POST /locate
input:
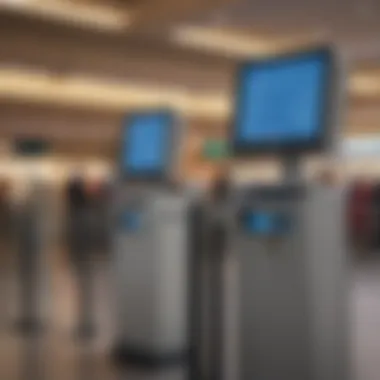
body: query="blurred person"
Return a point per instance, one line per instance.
(6, 251)
(33, 232)
(359, 209)
(79, 247)
(105, 215)
(375, 211)
(98, 196)
(5, 214)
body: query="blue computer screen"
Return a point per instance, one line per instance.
(280, 102)
(146, 143)
(261, 223)
(265, 223)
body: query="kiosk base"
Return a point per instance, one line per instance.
(124, 355)
(151, 276)
(292, 284)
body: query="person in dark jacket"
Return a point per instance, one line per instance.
(79, 247)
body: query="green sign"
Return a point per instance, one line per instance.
(31, 147)
(215, 150)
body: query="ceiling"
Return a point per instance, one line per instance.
(104, 57)
(352, 24)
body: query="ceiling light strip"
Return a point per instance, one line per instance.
(78, 91)
(86, 92)
(104, 17)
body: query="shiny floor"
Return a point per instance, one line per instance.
(57, 355)
(366, 320)
(54, 354)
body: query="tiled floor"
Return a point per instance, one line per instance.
(57, 356)
(366, 320)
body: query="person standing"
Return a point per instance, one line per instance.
(79, 247)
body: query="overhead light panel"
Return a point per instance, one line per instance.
(90, 15)
(218, 40)
(82, 92)
(240, 45)
(94, 93)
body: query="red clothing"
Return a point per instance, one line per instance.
(360, 205)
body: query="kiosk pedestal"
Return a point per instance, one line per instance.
(292, 283)
(151, 278)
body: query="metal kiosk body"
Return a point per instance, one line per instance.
(150, 257)
(287, 309)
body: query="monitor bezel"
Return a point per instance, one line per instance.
(327, 118)
(155, 177)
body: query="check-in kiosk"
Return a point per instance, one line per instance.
(150, 256)
(287, 315)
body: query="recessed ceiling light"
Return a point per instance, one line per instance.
(99, 16)
(240, 45)
(218, 40)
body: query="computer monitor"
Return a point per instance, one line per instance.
(147, 145)
(284, 104)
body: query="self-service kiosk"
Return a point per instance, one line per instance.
(287, 315)
(150, 258)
